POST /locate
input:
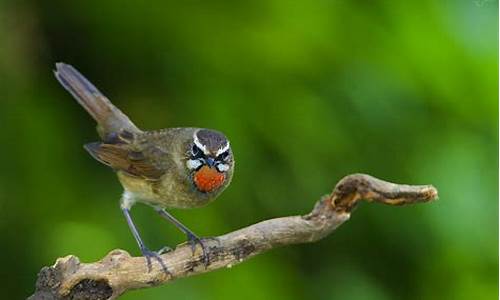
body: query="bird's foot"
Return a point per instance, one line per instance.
(164, 249)
(148, 254)
(193, 240)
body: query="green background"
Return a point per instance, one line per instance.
(307, 92)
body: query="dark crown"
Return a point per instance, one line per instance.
(211, 139)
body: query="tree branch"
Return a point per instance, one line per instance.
(118, 272)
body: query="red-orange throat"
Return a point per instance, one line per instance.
(207, 179)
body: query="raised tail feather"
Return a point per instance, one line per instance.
(109, 118)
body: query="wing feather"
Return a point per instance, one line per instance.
(122, 157)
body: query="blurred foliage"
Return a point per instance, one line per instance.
(307, 91)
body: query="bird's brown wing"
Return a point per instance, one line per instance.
(124, 157)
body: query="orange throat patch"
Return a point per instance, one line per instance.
(208, 179)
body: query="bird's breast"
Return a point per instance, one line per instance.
(170, 191)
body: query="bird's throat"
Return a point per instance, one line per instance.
(208, 179)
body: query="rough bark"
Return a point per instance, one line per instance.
(119, 272)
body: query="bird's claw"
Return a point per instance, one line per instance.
(193, 240)
(164, 249)
(148, 254)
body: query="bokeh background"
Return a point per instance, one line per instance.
(307, 92)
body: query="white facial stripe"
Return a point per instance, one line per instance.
(193, 164)
(222, 167)
(223, 149)
(199, 145)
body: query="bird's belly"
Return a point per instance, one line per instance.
(167, 192)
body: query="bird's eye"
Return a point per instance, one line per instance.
(196, 151)
(223, 156)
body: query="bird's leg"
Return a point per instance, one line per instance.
(148, 254)
(192, 238)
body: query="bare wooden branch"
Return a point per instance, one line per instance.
(118, 272)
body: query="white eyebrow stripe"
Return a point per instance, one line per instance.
(223, 149)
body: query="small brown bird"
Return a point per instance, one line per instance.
(167, 168)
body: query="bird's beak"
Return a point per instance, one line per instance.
(210, 162)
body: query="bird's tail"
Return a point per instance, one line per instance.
(108, 117)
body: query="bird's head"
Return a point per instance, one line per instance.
(210, 160)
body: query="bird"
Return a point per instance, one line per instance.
(182, 167)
